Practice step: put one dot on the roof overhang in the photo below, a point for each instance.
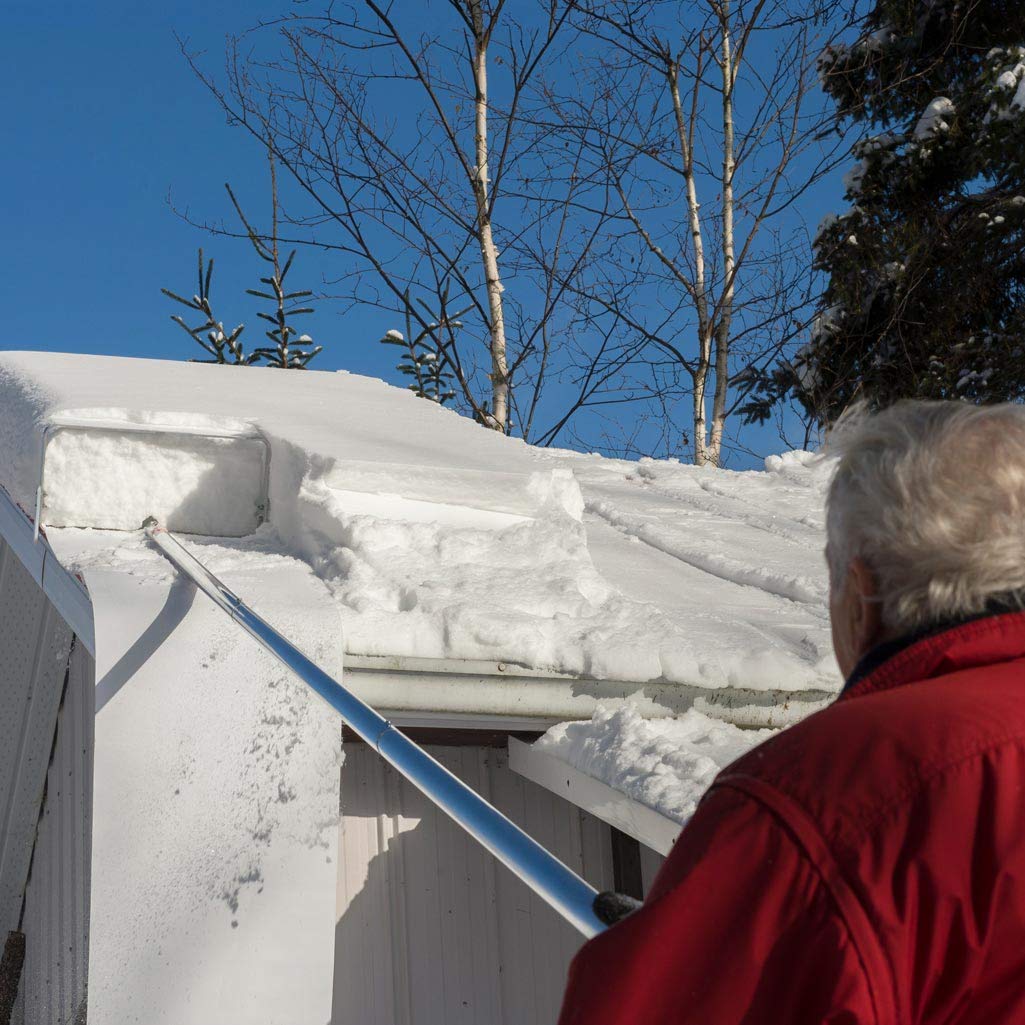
(453, 692)
(644, 824)
(67, 595)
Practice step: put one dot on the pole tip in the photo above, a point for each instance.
(613, 907)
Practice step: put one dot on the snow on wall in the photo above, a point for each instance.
(215, 803)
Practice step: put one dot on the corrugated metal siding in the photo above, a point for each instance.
(432, 931)
(56, 915)
(34, 646)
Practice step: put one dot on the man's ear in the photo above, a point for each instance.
(866, 622)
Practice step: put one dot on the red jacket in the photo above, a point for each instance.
(866, 865)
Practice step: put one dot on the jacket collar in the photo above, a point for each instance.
(983, 640)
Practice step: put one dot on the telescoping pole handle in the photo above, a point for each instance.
(562, 888)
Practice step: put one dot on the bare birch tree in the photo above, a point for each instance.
(709, 131)
(418, 159)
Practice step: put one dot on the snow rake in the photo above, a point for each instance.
(201, 477)
(577, 901)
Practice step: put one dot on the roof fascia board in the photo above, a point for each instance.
(644, 824)
(64, 591)
(426, 719)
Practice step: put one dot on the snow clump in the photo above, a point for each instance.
(666, 764)
(933, 120)
(788, 460)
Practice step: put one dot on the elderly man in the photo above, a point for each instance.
(868, 864)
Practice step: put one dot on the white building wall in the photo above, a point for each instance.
(651, 862)
(34, 645)
(56, 913)
(431, 929)
(45, 788)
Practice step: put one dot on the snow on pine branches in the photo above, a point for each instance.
(926, 267)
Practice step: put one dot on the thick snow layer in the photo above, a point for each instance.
(731, 562)
(666, 764)
(677, 574)
(336, 418)
(437, 539)
(215, 795)
(105, 476)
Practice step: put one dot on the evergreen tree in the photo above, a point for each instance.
(224, 347)
(926, 269)
(289, 350)
(424, 357)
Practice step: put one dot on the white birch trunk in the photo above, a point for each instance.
(499, 419)
(724, 321)
(700, 288)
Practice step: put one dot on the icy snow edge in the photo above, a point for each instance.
(665, 764)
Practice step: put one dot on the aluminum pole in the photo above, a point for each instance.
(562, 888)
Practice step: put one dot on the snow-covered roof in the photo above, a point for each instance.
(448, 573)
(458, 552)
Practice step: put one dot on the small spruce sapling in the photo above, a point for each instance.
(289, 350)
(284, 352)
(423, 357)
(222, 346)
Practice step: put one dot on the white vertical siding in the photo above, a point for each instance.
(45, 791)
(432, 931)
(651, 862)
(34, 645)
(56, 912)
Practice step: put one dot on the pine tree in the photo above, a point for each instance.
(423, 356)
(926, 269)
(223, 346)
(289, 350)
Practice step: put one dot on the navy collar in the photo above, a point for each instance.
(883, 652)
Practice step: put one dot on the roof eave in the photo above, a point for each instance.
(478, 691)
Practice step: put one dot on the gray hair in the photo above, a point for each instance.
(931, 495)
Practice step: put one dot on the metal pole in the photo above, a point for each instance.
(562, 888)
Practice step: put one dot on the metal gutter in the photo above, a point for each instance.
(540, 698)
(66, 593)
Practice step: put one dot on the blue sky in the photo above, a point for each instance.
(103, 122)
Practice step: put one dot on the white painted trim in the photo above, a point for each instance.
(469, 721)
(67, 595)
(644, 824)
